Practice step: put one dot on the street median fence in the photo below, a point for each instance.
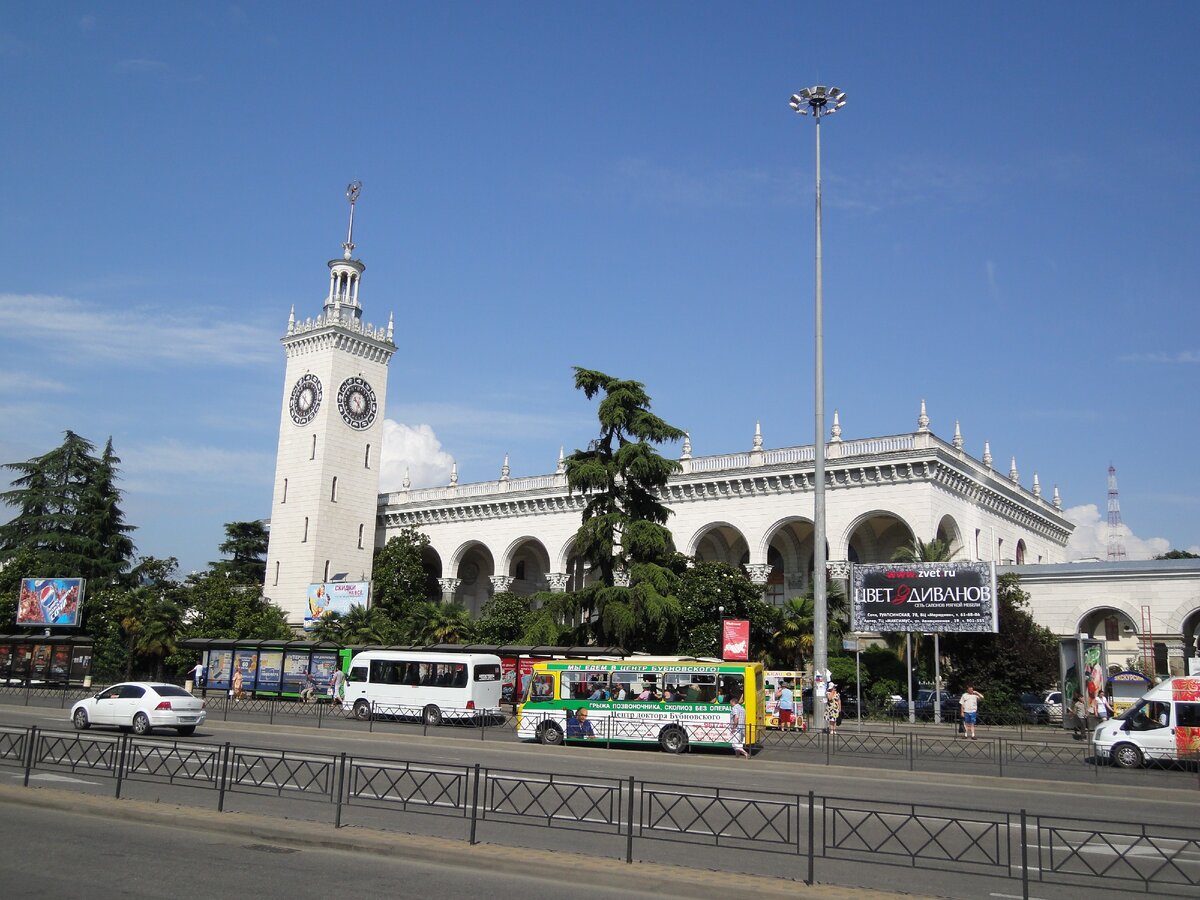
(623, 814)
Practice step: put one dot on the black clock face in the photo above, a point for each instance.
(306, 399)
(356, 403)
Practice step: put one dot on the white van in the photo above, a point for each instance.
(1163, 725)
(431, 686)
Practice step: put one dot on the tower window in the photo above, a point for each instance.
(326, 576)
(276, 572)
(305, 538)
(313, 455)
(361, 529)
(367, 459)
(333, 490)
(284, 500)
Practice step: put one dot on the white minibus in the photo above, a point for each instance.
(429, 685)
(1163, 725)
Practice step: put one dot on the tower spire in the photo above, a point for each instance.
(1116, 531)
(352, 192)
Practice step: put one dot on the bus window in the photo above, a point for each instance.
(487, 673)
(384, 671)
(541, 687)
(357, 673)
(730, 688)
(584, 685)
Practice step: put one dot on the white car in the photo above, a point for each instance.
(141, 705)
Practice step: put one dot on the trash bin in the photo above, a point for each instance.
(187, 685)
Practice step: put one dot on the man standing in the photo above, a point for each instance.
(737, 728)
(198, 674)
(968, 705)
(786, 700)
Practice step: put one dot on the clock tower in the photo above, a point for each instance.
(330, 439)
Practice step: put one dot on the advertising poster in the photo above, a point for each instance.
(524, 677)
(247, 663)
(924, 597)
(508, 679)
(1085, 681)
(333, 596)
(220, 669)
(323, 667)
(295, 668)
(5, 658)
(1187, 731)
(60, 663)
(21, 656)
(735, 639)
(81, 663)
(41, 660)
(50, 601)
(270, 670)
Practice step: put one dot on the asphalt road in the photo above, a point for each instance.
(1176, 801)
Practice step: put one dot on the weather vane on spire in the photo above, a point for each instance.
(352, 192)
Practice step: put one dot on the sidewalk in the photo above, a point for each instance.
(667, 881)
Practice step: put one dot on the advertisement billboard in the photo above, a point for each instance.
(295, 670)
(50, 601)
(246, 662)
(270, 669)
(924, 597)
(333, 596)
(220, 669)
(1085, 679)
(735, 639)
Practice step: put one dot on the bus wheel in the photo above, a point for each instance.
(362, 710)
(1127, 756)
(673, 739)
(550, 734)
(432, 715)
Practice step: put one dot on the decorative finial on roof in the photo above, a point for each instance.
(835, 433)
(757, 435)
(958, 441)
(453, 474)
(1013, 475)
(922, 419)
(1057, 499)
(504, 470)
(987, 454)
(292, 319)
(1037, 486)
(407, 482)
(562, 463)
(687, 446)
(352, 191)
(391, 326)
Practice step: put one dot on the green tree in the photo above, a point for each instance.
(439, 623)
(621, 475)
(221, 608)
(1178, 554)
(1023, 656)
(935, 550)
(69, 520)
(503, 620)
(792, 641)
(400, 581)
(707, 587)
(246, 544)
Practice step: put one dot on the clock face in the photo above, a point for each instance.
(306, 399)
(356, 403)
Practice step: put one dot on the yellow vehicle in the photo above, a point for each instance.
(674, 703)
(773, 680)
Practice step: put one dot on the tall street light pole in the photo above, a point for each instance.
(819, 101)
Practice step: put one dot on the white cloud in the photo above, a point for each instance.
(415, 448)
(135, 336)
(22, 381)
(1179, 357)
(1090, 538)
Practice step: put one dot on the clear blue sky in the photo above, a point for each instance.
(1010, 233)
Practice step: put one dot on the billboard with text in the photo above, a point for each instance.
(334, 596)
(924, 597)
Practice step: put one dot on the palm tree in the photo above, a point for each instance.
(934, 550)
(363, 625)
(328, 628)
(446, 624)
(793, 641)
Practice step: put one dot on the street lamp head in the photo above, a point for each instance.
(819, 100)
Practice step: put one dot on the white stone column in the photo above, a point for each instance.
(449, 588)
(558, 581)
(758, 573)
(501, 583)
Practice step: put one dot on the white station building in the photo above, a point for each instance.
(752, 508)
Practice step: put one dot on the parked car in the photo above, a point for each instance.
(141, 706)
(924, 703)
(1043, 707)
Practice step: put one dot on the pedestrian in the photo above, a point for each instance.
(968, 705)
(786, 700)
(238, 690)
(309, 689)
(337, 688)
(1079, 713)
(737, 728)
(833, 708)
(198, 674)
(1104, 708)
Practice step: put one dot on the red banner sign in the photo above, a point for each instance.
(735, 639)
